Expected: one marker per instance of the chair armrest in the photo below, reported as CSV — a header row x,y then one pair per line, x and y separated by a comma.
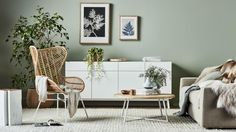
x,y
186,81
74,83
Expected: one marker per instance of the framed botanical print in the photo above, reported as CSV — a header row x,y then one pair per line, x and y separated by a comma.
x,y
128,28
95,23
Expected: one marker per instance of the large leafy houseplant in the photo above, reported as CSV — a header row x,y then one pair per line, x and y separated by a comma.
x,y
94,59
156,75
42,30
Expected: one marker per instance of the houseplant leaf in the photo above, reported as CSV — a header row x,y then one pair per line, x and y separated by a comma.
x,y
41,30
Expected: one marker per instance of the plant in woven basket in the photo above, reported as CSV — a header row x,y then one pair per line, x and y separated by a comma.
x,y
41,30
156,75
94,59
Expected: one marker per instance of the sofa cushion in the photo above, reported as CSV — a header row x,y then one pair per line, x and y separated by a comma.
x,y
206,71
210,76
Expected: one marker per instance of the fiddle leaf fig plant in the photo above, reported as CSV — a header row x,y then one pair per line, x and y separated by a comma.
x,y
42,30
94,59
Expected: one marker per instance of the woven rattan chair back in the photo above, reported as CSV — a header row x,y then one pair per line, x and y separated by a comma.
x,y
48,62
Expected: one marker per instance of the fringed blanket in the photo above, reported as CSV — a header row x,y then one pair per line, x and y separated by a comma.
x,y
226,93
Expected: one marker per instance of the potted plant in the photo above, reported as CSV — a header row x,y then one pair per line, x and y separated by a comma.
x,y
94,59
41,30
155,77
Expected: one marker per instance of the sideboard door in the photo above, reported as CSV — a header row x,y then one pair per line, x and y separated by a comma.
x,y
129,75
105,87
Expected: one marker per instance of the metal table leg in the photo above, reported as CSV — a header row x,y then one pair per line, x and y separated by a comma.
x,y
126,107
159,101
126,110
58,104
168,103
165,109
123,109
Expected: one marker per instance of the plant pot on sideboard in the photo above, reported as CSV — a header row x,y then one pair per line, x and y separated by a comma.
x,y
32,99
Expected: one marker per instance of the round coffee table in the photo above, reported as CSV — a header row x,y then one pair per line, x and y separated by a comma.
x,y
159,97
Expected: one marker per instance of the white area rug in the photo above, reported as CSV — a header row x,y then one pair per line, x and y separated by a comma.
x,y
106,120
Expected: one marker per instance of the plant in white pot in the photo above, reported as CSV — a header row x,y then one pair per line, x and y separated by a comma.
x,y
42,30
155,77
94,59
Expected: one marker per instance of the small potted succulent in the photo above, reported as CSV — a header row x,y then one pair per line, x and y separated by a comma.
x,y
155,77
94,59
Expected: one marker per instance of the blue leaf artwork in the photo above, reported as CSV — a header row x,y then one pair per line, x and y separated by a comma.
x,y
128,29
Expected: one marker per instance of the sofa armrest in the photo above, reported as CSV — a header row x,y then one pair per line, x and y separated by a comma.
x,y
186,81
204,110
208,98
208,101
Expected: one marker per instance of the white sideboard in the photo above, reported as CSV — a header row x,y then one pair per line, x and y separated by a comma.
x,y
118,75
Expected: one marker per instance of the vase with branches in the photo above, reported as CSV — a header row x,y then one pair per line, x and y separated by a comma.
x,y
156,76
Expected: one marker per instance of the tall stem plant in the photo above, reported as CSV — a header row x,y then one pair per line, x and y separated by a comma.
x,y
42,30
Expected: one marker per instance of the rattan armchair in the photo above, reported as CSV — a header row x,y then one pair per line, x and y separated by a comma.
x,y
48,62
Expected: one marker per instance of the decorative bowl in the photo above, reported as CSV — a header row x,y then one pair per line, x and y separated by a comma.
x,y
125,91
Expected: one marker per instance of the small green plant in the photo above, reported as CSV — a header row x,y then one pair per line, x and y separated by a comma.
x,y
94,60
156,75
42,30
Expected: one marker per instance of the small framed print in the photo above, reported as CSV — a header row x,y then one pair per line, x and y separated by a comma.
x,y
128,28
95,23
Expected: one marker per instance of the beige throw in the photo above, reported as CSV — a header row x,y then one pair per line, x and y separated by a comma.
x,y
73,101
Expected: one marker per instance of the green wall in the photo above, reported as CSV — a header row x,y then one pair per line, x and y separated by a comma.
x,y
192,34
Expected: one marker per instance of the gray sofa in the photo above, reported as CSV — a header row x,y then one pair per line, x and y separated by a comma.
x,y
203,108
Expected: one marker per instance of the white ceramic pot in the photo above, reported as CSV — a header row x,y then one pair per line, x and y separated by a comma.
x,y
148,84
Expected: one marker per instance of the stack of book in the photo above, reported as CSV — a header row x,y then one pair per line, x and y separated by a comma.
x,y
152,58
144,91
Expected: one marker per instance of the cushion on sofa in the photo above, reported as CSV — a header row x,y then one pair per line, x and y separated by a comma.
x,y
205,72
211,76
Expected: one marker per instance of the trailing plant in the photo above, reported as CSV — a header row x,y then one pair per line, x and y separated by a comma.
x,y
156,75
94,59
42,30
